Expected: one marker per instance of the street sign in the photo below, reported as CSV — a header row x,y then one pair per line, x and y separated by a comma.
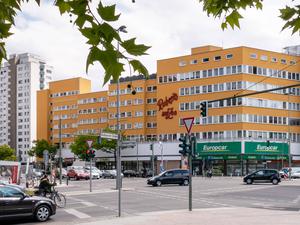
x,y
128,144
89,143
188,123
109,135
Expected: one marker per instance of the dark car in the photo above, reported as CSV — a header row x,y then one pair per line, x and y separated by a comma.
x,y
263,176
129,173
15,203
175,176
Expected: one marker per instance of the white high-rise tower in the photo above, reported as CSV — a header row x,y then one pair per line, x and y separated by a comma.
x,y
20,78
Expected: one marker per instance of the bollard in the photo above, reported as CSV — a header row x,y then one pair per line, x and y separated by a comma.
x,y
67,180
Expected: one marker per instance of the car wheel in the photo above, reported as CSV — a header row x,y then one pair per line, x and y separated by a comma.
x,y
275,181
42,213
186,182
158,183
249,181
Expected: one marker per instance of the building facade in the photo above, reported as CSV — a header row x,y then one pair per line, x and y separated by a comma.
x,y
153,109
20,78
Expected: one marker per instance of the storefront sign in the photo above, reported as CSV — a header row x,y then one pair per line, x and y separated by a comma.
x,y
220,157
265,157
263,148
218,148
162,103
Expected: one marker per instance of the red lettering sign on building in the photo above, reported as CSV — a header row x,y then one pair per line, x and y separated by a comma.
x,y
162,103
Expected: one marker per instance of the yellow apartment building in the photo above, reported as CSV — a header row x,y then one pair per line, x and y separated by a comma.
x,y
238,135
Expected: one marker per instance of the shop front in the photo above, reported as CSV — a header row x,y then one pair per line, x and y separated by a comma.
x,y
259,155
240,157
223,158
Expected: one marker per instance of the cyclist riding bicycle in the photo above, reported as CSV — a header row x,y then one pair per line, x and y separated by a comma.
x,y
45,185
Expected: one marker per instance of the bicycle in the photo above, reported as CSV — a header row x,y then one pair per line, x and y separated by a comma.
x,y
58,198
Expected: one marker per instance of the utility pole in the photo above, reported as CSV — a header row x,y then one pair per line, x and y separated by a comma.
x,y
60,149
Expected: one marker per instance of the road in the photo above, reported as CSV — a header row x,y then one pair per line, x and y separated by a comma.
x,y
137,197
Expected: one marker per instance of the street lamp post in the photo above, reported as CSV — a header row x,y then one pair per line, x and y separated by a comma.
x,y
162,157
118,181
289,133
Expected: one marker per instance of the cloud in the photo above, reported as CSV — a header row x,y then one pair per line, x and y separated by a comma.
x,y
171,27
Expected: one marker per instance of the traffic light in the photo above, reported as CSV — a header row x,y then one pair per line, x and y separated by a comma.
x,y
185,146
87,155
203,109
92,153
151,146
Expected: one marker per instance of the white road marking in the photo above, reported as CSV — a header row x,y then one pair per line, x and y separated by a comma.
x,y
88,203
78,214
296,200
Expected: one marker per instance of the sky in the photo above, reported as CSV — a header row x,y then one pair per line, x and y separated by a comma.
x,y
170,27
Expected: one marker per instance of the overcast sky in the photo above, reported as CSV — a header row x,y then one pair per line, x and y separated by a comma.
x,y
171,27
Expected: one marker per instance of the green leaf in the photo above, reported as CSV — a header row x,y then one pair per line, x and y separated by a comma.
x,y
108,32
91,34
107,13
296,25
138,66
287,13
63,6
233,19
134,49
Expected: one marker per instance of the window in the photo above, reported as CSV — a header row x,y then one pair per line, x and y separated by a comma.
x,y
194,61
264,58
253,56
8,192
182,63
217,58
283,61
229,56
204,60
273,59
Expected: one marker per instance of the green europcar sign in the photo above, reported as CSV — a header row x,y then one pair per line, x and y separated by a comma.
x,y
263,148
218,148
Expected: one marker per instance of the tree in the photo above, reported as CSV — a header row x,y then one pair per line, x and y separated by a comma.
x,y
95,24
41,146
7,153
230,10
79,146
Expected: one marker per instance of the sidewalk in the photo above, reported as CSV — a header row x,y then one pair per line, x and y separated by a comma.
x,y
211,216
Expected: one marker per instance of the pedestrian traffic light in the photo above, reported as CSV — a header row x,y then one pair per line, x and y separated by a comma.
x,y
185,146
203,109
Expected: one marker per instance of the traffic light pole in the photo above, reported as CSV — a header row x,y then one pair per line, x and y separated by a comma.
x,y
190,156
90,174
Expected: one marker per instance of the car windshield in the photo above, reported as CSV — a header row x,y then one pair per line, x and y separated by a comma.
x,y
79,171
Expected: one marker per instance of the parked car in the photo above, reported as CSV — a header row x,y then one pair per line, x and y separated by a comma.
x,y
95,174
111,174
175,176
129,173
95,169
78,174
295,174
15,203
263,176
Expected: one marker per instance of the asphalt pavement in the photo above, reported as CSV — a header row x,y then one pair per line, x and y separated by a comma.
x,y
216,198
